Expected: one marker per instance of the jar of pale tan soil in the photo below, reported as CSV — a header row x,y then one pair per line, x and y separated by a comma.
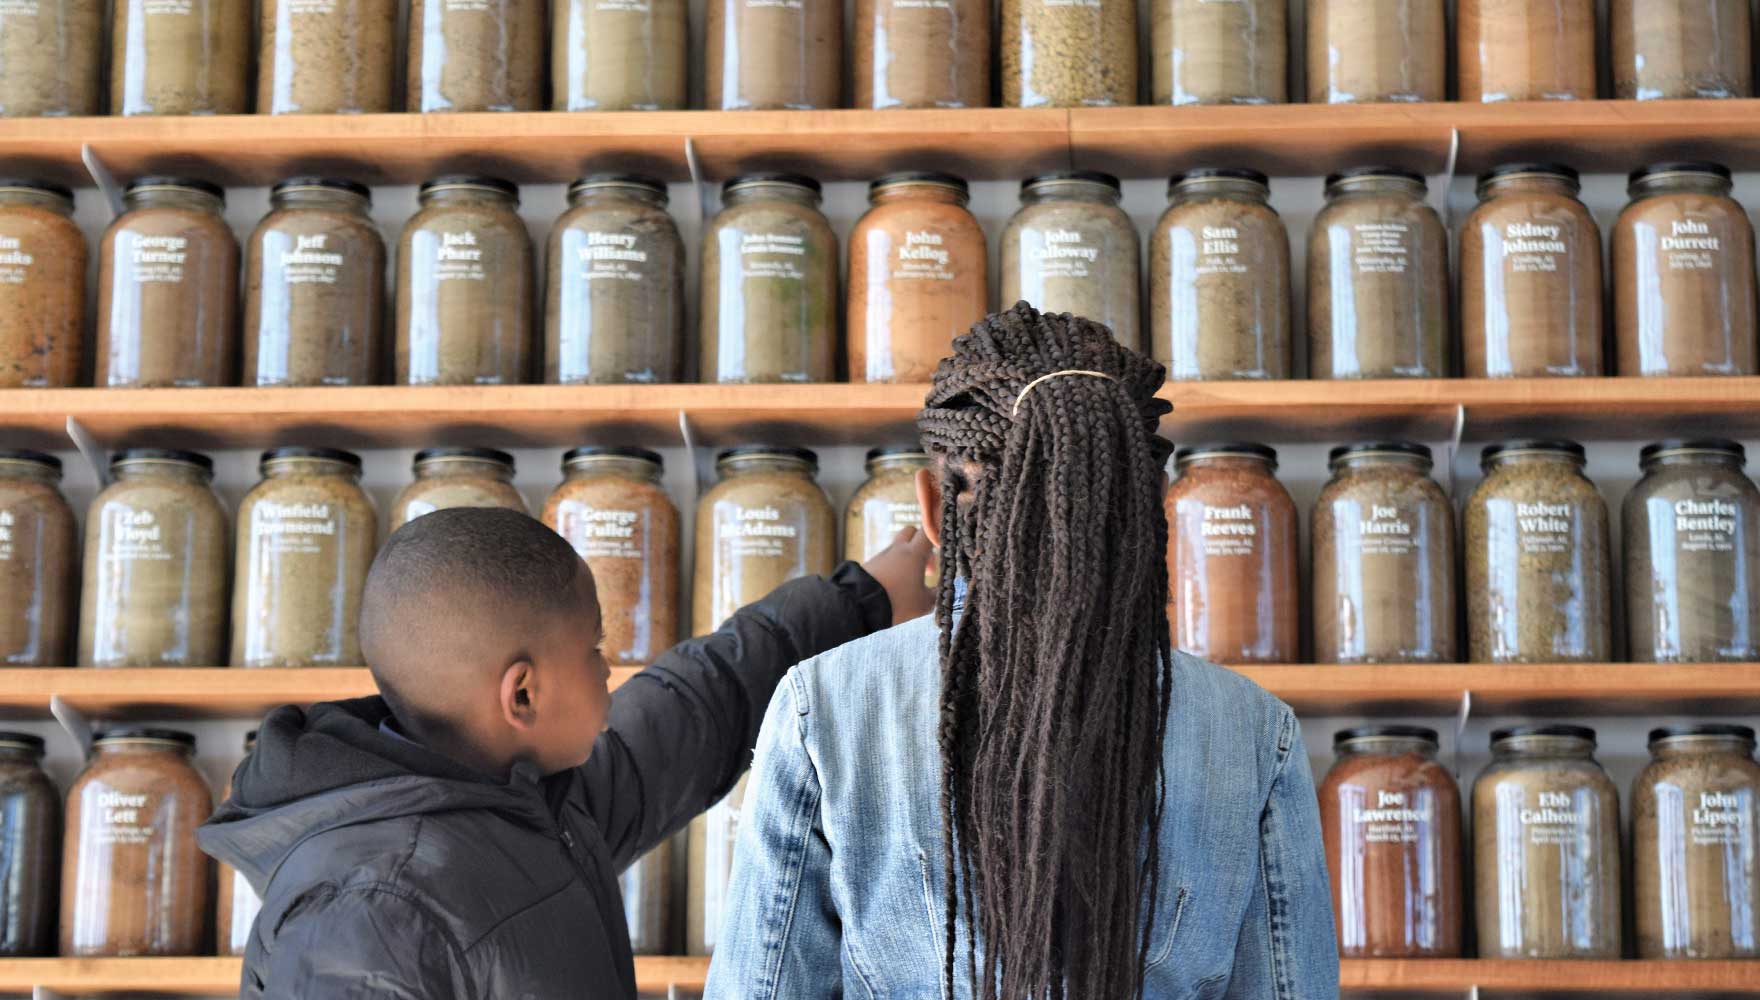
x,y
42,285
329,57
886,504
1377,279
457,477
1546,858
465,286
1071,249
769,284
1526,50
180,57
476,55
773,55
50,51
1695,810
1683,275
1530,277
613,510
614,301
1538,566
648,909
1219,279
314,297
30,840
1068,53
1692,555
1219,51
1377,51
133,881
155,565
1383,559
168,289
1231,556
236,904
1675,49
39,561
619,55
922,54
918,277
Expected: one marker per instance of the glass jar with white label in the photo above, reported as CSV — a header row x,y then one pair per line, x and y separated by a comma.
x,y
619,55
921,54
51,53
476,55
457,477
180,57
1071,249
772,55
1067,53
326,57
1219,51
42,285
886,504
236,904
39,561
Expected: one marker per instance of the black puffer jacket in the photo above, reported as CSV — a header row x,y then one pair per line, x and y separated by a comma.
x,y
390,872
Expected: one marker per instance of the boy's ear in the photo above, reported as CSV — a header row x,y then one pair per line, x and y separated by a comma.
x,y
929,496
518,694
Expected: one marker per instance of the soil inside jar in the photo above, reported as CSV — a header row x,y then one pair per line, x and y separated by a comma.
x,y
1684,286
455,483
167,300
1056,54
1079,257
615,55
464,295
42,291
1678,49
186,57
1377,51
911,54
1219,291
1233,52
31,843
614,303
1519,50
1694,817
49,58
314,306
768,56
39,560
476,55
769,299
326,58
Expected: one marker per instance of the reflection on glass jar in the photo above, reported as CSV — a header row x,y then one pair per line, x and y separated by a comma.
x,y
767,56
1219,53
911,54
1675,49
42,284
30,840
1071,249
236,904
326,58
614,55
49,58
1377,51
1063,54
886,504
1519,50
39,561
185,58
457,477
476,56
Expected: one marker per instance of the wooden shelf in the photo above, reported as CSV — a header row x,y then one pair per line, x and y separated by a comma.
x,y
219,976
1459,976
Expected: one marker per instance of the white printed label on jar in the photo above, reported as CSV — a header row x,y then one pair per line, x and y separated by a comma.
x,y
1229,531
1553,819
124,819
1219,251
1386,532
1690,246
1534,247
135,536
19,8
180,8
1063,253
158,259
292,528
621,7
922,4
1720,819
8,522
470,6
1381,247
1091,4
776,4
772,255
319,7
312,261
459,258
759,532
611,257
602,533
15,263
1545,528
1705,525
1391,820
924,257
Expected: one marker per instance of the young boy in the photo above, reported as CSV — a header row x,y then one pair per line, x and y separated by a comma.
x,y
459,837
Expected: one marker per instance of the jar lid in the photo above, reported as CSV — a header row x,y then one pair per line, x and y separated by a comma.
x,y
771,177
1384,732
1570,732
1557,170
1718,446
348,458
933,177
1241,448
27,742
640,182
176,736
1661,733
594,452
33,184
177,455
1068,176
772,450
494,184
1679,167
1379,447
1358,173
897,451
325,183
1559,446
1218,173
30,457
184,183
480,454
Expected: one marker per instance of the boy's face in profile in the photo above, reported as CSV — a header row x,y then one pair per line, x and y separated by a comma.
x,y
570,693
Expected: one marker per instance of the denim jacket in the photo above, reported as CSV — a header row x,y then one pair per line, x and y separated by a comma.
x,y
838,872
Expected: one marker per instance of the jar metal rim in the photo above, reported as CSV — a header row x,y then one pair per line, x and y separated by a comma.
x,y
28,456
296,452
161,182
771,179
589,454
1701,731
1365,449
1510,171
165,456
1090,177
472,182
757,451
1393,732
1230,449
1553,730
1558,446
28,742
167,737
340,185
1199,175
1721,447
1671,168
1372,172
35,186
463,454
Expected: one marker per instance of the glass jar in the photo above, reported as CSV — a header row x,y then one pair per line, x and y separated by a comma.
x,y
314,295
306,536
1683,275
1071,249
1695,810
168,288
457,477
1377,51
619,55
614,304
133,880
49,58
1377,279
763,55
192,57
1219,279
1068,53
155,565
1546,859
646,888
886,504
1228,52
1537,558
1519,50
476,55
918,277
922,54
1383,560
42,284
1692,555
39,560
1530,263
30,840
236,904
1674,49
465,286
1231,556
769,299
332,57
613,510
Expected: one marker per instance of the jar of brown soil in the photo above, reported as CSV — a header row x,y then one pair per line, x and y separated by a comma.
x,y
1068,53
1692,555
30,840
1676,49
1683,275
1383,537
1219,51
1219,279
1377,51
1071,249
168,289
1526,50
314,299
39,562
647,891
1538,565
769,284
50,52
773,55
613,510
619,55
1695,810
236,904
180,57
42,285
922,54
1530,277
329,57
1231,556
457,477
886,504
134,883
465,286
155,565
918,277
476,55
614,305
306,536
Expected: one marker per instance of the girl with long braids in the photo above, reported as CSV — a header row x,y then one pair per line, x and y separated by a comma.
x,y
1066,808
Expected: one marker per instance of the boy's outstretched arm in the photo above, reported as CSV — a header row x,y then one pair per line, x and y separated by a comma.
x,y
363,943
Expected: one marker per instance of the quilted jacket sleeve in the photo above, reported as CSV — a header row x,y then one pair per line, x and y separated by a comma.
x,y
363,943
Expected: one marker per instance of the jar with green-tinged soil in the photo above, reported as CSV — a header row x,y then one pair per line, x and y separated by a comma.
x,y
1377,51
50,55
619,55
1071,249
465,286
328,57
1681,49
314,299
180,57
236,904
1068,53
30,840
922,54
476,55
39,562
614,301
155,580
769,284
42,285
772,55
457,477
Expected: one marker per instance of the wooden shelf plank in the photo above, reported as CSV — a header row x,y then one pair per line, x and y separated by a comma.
x,y
219,976
1458,976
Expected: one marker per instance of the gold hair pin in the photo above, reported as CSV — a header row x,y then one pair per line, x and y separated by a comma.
x,y
1044,378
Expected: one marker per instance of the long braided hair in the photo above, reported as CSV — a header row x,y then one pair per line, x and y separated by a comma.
x,y
1055,684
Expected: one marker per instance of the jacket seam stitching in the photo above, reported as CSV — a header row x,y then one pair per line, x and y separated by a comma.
x,y
786,897
1271,866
